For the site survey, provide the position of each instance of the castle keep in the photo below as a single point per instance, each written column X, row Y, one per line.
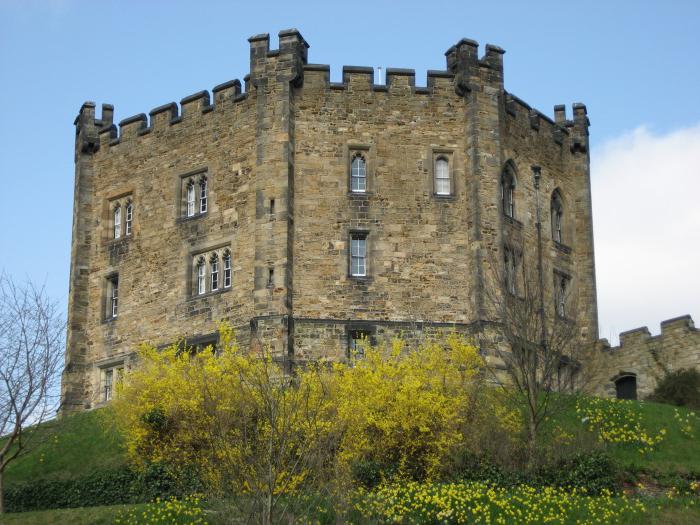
column 309, row 213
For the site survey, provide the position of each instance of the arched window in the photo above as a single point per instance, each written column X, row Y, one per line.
column 557, row 211
column 129, row 217
column 508, row 192
column 203, row 194
column 190, row 198
column 358, row 174
column 442, row 176
column 626, row 386
column 201, row 276
column 117, row 222
column 227, row 269
column 214, row 267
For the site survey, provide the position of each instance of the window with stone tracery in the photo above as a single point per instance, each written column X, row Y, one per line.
column 195, row 195
column 212, row 271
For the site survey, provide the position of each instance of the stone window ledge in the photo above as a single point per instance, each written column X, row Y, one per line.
column 449, row 197
column 210, row 294
column 367, row 279
column 123, row 240
column 192, row 218
column 515, row 223
column 562, row 247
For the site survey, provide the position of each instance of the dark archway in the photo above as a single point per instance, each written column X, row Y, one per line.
column 626, row 387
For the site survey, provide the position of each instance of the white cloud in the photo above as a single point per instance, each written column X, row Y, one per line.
column 646, row 214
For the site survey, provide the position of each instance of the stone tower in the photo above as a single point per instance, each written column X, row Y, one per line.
column 309, row 213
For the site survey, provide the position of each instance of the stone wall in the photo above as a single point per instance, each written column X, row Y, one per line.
column 645, row 357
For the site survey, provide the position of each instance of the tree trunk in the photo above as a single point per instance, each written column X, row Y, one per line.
column 267, row 510
column 2, row 492
column 531, row 443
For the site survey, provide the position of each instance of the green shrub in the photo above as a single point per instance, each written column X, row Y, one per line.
column 107, row 487
column 595, row 472
column 680, row 388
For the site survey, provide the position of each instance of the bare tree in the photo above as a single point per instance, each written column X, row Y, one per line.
column 282, row 439
column 540, row 352
column 543, row 348
column 32, row 334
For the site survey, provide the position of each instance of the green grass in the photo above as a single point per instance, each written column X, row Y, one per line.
column 81, row 516
column 70, row 447
column 676, row 454
column 681, row 511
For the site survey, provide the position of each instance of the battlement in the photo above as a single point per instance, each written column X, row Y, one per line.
column 682, row 326
column 635, row 336
column 290, row 62
column 290, row 41
column 160, row 117
column 464, row 55
column 363, row 78
column 561, row 129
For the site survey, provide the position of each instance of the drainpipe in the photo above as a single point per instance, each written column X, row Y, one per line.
column 536, row 172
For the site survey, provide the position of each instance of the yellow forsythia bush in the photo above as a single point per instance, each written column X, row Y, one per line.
column 230, row 416
column 407, row 407
column 249, row 430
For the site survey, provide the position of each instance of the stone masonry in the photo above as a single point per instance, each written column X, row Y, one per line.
column 276, row 154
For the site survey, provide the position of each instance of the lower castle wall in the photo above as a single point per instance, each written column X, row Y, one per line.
column 328, row 338
column 645, row 356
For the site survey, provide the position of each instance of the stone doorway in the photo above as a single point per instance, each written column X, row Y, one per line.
column 626, row 387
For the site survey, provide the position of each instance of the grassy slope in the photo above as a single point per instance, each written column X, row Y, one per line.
column 81, row 516
column 82, row 443
column 683, row 511
column 70, row 447
column 677, row 453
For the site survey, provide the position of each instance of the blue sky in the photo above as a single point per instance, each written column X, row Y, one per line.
column 636, row 65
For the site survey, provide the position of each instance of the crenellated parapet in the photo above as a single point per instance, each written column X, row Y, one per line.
column 677, row 327
column 290, row 62
column 564, row 132
column 94, row 133
column 463, row 60
column 362, row 78
column 88, row 127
